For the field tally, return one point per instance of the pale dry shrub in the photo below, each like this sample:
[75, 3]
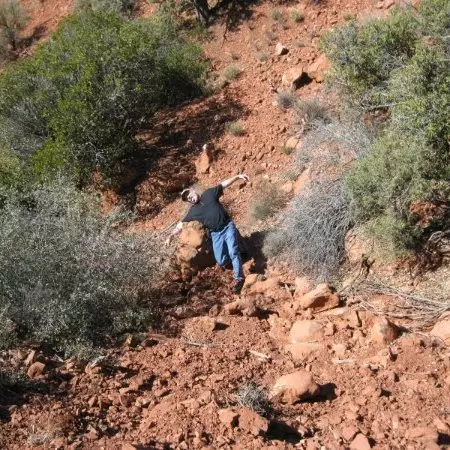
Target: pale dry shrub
[312, 231]
[70, 277]
[251, 396]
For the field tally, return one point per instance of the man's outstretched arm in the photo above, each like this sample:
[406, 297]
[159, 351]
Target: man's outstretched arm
[174, 232]
[232, 180]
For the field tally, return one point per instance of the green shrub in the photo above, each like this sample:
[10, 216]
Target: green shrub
[297, 16]
[77, 104]
[232, 72]
[69, 276]
[236, 128]
[108, 6]
[365, 55]
[12, 20]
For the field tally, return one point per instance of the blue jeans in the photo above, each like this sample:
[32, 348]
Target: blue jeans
[225, 246]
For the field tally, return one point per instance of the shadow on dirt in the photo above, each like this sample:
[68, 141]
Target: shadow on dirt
[165, 161]
[281, 431]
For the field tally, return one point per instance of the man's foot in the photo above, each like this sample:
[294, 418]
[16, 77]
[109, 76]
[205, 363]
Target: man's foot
[237, 288]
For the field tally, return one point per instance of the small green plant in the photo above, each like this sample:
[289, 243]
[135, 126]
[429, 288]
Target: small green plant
[287, 150]
[232, 72]
[261, 57]
[310, 112]
[268, 202]
[276, 15]
[251, 396]
[297, 16]
[349, 16]
[299, 44]
[286, 99]
[12, 20]
[236, 128]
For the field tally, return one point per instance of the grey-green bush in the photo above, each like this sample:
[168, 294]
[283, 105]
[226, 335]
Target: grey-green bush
[68, 275]
[77, 104]
[107, 6]
[312, 231]
[12, 20]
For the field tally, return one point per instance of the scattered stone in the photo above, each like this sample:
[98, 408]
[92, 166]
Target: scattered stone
[287, 187]
[349, 432]
[303, 350]
[252, 423]
[291, 143]
[280, 49]
[128, 446]
[339, 350]
[203, 162]
[322, 298]
[384, 331]
[245, 306]
[228, 417]
[441, 329]
[302, 286]
[302, 181]
[31, 358]
[294, 387]
[318, 69]
[330, 329]
[291, 78]
[423, 434]
[306, 331]
[36, 369]
[360, 443]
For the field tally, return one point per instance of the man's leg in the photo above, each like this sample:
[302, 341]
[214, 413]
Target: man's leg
[231, 237]
[220, 248]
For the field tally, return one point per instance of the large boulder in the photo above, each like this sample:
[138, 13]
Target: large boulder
[294, 387]
[322, 298]
[194, 252]
[441, 329]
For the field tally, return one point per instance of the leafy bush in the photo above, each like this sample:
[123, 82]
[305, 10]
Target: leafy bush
[312, 231]
[77, 104]
[69, 277]
[364, 56]
[400, 64]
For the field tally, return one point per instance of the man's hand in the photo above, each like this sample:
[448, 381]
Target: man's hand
[232, 180]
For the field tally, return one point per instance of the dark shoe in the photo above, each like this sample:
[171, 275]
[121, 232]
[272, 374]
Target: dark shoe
[237, 288]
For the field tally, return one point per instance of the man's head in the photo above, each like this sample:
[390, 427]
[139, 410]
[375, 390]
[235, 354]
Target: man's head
[190, 196]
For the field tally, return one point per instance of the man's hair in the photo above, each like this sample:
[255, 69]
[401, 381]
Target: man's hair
[184, 194]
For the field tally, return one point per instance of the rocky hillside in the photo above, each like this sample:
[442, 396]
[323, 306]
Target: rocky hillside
[287, 364]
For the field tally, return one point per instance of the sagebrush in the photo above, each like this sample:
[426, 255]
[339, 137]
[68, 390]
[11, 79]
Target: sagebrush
[69, 276]
[312, 231]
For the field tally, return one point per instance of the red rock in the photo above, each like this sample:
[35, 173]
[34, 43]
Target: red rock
[302, 286]
[294, 387]
[128, 446]
[301, 181]
[204, 160]
[318, 69]
[36, 369]
[349, 432]
[280, 49]
[360, 443]
[228, 417]
[291, 78]
[292, 143]
[322, 298]
[306, 331]
[303, 350]
[441, 329]
[422, 434]
[252, 423]
[384, 331]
